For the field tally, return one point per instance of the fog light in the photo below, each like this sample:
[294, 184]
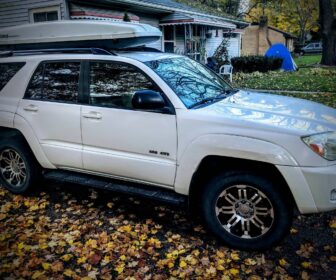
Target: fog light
[333, 195]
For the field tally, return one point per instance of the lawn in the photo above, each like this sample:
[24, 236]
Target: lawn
[305, 79]
[308, 60]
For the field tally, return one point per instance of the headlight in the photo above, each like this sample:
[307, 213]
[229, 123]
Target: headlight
[323, 144]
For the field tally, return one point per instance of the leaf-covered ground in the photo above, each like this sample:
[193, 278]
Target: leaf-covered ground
[305, 79]
[71, 232]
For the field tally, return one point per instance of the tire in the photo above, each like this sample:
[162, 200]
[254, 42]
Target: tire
[239, 198]
[19, 170]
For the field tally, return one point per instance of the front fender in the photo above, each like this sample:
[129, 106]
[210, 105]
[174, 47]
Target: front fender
[227, 146]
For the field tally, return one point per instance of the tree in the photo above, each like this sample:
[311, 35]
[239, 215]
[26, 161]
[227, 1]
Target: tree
[293, 16]
[328, 30]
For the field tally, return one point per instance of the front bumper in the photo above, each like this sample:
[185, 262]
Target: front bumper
[311, 187]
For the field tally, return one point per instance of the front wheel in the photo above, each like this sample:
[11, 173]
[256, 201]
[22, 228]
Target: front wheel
[246, 211]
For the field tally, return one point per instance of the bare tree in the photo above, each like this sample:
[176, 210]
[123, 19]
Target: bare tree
[328, 30]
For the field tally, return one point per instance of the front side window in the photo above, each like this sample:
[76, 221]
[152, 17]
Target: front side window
[8, 71]
[190, 80]
[55, 81]
[114, 84]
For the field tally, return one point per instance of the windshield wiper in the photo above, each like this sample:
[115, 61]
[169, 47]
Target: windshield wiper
[220, 96]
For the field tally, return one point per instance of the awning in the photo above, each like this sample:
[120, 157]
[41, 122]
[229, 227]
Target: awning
[88, 12]
[184, 18]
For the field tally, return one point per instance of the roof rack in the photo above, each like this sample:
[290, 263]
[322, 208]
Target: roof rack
[97, 51]
[140, 49]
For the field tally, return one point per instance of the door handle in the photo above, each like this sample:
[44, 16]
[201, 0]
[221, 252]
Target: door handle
[31, 108]
[92, 115]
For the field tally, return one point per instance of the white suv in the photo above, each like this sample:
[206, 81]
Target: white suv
[166, 127]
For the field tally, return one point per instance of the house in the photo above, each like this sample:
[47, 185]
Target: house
[185, 29]
[259, 37]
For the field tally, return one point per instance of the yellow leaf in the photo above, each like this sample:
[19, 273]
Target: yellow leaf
[66, 257]
[110, 205]
[293, 231]
[234, 271]
[183, 264]
[332, 224]
[333, 258]
[21, 245]
[37, 274]
[34, 208]
[46, 266]
[126, 228]
[91, 243]
[2, 216]
[120, 268]
[123, 257]
[283, 262]
[81, 260]
[69, 273]
[220, 267]
[171, 264]
[250, 262]
[235, 256]
[306, 264]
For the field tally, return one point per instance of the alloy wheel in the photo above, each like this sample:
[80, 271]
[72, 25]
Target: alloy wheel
[13, 168]
[244, 211]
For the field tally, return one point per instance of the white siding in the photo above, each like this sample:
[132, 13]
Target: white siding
[234, 47]
[16, 12]
[213, 43]
[179, 46]
[153, 22]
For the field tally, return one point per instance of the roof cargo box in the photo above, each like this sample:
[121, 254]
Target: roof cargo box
[77, 34]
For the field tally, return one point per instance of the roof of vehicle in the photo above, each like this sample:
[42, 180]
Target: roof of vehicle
[142, 56]
[147, 56]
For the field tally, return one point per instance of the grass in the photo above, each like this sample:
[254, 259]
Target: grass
[307, 60]
[305, 80]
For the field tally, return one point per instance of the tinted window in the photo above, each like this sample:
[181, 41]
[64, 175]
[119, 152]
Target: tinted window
[114, 84]
[8, 71]
[56, 81]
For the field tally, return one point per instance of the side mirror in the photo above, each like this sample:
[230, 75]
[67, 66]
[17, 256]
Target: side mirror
[148, 100]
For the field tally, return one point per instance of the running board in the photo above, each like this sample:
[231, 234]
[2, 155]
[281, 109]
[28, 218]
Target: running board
[132, 189]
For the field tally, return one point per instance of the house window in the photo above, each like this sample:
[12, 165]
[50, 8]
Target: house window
[45, 14]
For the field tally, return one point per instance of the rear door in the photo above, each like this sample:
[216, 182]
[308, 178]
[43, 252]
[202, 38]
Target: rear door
[51, 107]
[119, 140]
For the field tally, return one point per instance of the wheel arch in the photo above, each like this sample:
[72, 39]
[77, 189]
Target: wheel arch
[21, 129]
[211, 166]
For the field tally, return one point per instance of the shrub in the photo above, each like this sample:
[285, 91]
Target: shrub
[249, 64]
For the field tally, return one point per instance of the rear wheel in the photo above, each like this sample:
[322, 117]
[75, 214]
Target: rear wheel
[246, 211]
[19, 170]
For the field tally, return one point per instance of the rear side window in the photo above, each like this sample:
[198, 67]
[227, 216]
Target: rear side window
[55, 81]
[8, 71]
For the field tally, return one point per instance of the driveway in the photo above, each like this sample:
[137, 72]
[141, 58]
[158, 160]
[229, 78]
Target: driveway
[67, 231]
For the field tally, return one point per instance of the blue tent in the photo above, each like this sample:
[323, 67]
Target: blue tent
[279, 50]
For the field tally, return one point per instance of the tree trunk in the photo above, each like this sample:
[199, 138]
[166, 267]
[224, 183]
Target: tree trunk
[328, 28]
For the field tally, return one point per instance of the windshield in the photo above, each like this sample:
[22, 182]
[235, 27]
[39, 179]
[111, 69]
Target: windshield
[190, 80]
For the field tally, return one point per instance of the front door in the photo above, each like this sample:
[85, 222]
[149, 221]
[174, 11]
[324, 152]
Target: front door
[52, 110]
[119, 140]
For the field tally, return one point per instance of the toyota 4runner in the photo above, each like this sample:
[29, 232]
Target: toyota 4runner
[166, 127]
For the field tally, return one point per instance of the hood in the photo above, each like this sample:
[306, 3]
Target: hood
[274, 111]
